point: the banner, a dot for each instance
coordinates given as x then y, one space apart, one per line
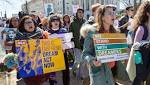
7 37
49 8
66 39
38 57
74 8
110 47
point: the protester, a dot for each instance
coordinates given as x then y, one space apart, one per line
66 22
8 34
141 25
55 27
91 18
14 22
75 27
101 74
28 30
44 24
126 20
36 19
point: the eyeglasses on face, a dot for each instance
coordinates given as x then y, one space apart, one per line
55 20
28 22
110 13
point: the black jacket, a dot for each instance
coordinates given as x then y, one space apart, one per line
123 21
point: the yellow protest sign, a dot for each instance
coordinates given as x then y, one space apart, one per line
40 56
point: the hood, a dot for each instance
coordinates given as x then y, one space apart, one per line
86 28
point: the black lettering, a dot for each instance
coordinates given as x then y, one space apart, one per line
48 65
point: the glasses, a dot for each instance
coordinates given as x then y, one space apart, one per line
110 13
55 20
28 22
131 10
14 20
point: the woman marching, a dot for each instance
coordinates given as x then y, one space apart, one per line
28 30
141 26
10 34
101 73
55 27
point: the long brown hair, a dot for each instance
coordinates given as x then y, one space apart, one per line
10 22
64 19
141 17
99 22
21 27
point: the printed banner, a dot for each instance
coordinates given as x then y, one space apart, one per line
110 47
49 8
7 37
66 39
38 57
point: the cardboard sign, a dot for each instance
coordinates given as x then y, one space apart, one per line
110 47
66 39
38 57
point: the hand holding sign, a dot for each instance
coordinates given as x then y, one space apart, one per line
110 47
97 63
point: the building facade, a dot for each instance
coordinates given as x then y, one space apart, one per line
63 6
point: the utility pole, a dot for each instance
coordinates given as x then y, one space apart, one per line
26 5
1 13
5 15
63 7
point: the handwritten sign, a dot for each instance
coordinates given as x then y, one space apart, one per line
110 47
38 57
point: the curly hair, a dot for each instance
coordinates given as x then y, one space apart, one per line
141 16
99 22
21 27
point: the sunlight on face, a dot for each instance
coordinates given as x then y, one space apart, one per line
109 16
29 25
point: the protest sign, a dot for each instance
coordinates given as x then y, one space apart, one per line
7 37
38 57
110 47
66 39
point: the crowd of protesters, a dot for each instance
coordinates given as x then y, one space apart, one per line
135 24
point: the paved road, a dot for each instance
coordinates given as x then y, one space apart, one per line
11 80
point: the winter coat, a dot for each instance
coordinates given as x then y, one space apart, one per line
37 34
100 75
123 21
75 29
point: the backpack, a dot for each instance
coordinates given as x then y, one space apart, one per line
131 35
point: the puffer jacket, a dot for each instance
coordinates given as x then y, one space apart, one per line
75 29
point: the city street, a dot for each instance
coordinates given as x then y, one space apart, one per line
63 42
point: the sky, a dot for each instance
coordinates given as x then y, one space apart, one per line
14 6
11 7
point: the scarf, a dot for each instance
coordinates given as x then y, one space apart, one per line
37 34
